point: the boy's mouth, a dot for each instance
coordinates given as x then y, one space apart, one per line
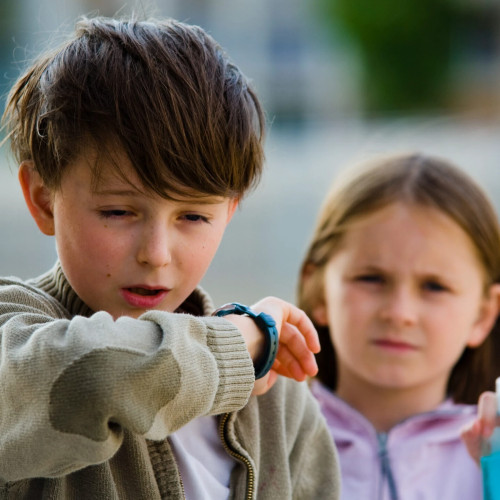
144 297
145 291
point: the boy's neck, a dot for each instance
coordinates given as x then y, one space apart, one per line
386 407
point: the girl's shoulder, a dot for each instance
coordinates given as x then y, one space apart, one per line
443 424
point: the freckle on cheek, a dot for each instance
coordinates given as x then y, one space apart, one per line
108 275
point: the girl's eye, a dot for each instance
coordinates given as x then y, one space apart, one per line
434 286
108 214
371 278
195 218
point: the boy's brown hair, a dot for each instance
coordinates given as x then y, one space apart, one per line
423 181
163 92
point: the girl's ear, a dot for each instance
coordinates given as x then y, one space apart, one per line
319 315
487 317
310 280
38 197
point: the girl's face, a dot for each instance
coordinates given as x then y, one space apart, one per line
404 295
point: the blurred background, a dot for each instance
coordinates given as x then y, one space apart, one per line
341 80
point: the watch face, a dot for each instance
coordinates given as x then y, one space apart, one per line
233 308
227 307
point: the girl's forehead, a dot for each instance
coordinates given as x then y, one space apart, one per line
402 220
424 236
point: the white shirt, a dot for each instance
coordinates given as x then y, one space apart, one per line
204 464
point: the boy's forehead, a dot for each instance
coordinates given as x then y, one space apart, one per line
115 175
112 182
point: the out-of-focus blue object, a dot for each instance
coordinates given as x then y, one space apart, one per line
490 461
490 465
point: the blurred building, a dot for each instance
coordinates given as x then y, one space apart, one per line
476 68
304 70
303 67
277 43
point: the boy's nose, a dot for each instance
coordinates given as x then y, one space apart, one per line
154 247
400 308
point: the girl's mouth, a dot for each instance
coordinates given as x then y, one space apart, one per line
394 345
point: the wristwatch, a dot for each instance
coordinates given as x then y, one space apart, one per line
268 326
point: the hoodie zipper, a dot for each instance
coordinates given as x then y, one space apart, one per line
236 455
385 467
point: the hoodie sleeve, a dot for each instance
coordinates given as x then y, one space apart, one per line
70 386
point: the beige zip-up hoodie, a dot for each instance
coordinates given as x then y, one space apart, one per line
87 402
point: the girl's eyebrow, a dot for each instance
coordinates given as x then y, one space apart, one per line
369 266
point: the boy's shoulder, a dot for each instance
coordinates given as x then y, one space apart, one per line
18 295
51 294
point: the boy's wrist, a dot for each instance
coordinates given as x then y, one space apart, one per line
266 325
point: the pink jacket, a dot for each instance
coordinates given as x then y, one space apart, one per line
421 458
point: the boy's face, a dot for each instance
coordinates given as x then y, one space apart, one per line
122 251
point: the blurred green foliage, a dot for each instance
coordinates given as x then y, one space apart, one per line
9 19
405 48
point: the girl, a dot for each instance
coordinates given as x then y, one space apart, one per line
402 280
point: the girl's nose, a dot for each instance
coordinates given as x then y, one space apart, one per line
400 308
154 246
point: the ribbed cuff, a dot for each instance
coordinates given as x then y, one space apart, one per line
236 371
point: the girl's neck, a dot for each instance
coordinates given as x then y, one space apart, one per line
385 407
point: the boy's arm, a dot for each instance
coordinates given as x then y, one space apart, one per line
68 387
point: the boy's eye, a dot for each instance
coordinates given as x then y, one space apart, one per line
107 214
195 218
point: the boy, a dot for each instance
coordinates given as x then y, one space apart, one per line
135 142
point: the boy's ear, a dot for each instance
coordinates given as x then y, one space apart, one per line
488 314
38 197
233 205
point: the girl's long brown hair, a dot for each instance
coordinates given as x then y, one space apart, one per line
421 180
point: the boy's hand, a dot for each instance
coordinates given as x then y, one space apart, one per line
482 428
298 341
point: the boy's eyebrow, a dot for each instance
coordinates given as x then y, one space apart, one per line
116 192
197 200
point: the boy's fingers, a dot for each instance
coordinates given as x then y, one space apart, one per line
296 344
304 325
298 361
298 339
289 364
285 314
293 339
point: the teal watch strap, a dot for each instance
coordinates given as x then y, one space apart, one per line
268 326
